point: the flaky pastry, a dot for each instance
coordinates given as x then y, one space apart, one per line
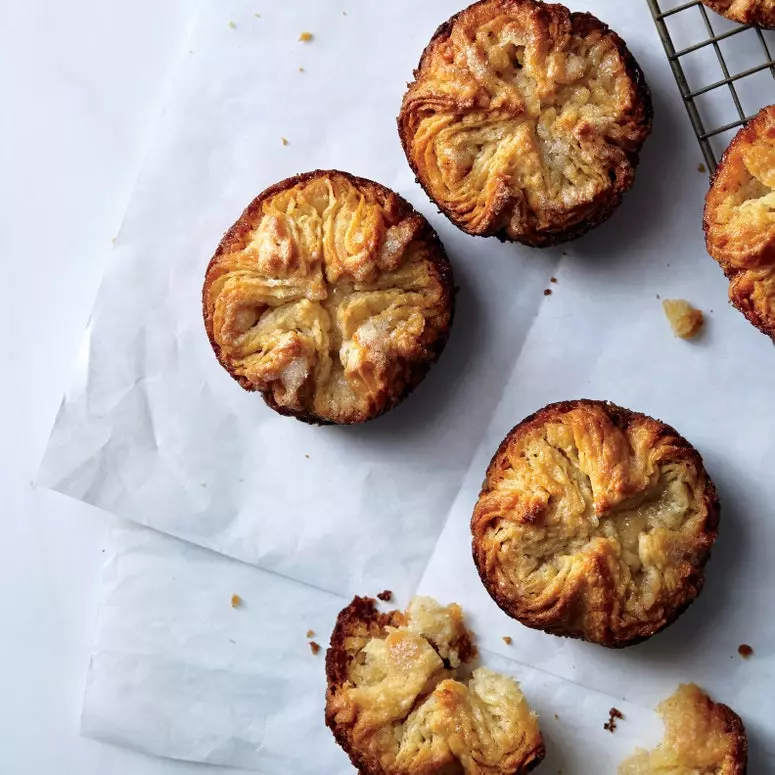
331 296
594 522
740 220
760 13
396 703
525 121
701 738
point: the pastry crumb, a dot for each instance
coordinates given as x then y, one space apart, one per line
744 650
548 292
301 69
306 456
257 15
284 140
556 717
701 167
685 320
613 715
314 647
236 601
310 633
385 596
553 279
305 37
232 26
507 640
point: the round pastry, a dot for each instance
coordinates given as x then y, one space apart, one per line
525 121
594 522
701 736
331 296
740 220
760 13
397 706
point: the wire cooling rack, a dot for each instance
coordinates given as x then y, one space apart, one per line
731 75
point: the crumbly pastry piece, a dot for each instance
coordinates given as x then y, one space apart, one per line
685 320
740 220
701 738
331 296
594 522
525 121
396 703
760 13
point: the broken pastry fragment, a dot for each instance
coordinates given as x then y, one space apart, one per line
701 738
400 702
740 220
594 522
525 121
685 320
331 296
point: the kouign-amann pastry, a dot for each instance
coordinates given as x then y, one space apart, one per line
594 522
396 703
525 121
760 13
701 738
740 220
331 296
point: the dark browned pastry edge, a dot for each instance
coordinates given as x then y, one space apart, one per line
739 301
622 418
436 254
614 198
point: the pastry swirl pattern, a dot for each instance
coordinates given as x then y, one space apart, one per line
525 120
331 296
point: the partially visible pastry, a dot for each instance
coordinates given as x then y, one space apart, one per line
740 220
701 738
525 121
397 704
760 13
331 296
594 522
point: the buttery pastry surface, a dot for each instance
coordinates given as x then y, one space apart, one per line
760 13
740 220
594 522
396 705
331 296
701 738
525 121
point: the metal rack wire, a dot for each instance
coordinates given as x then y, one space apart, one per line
729 80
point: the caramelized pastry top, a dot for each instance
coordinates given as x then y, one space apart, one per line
525 120
331 296
396 705
701 738
594 522
740 220
760 13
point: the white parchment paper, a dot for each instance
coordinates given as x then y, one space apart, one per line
178 672
155 431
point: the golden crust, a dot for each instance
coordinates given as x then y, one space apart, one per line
760 13
525 121
331 296
701 738
396 706
740 220
594 522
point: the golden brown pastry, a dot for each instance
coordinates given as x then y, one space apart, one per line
740 220
396 705
701 738
760 13
331 296
594 522
525 121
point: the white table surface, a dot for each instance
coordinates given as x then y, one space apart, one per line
81 84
